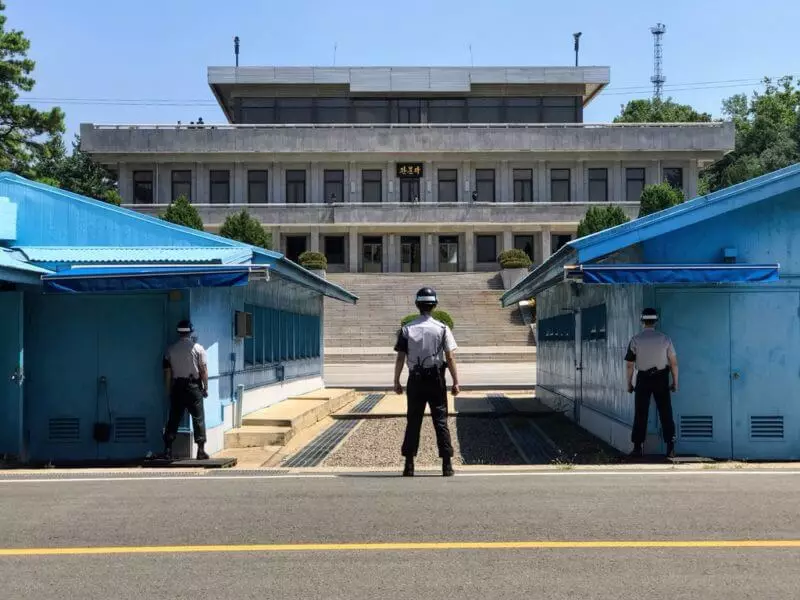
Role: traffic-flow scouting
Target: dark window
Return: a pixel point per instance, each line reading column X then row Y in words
column 524, row 243
column 409, row 111
column 557, row 241
column 634, row 184
column 334, row 249
column 334, row 185
column 523, row 185
column 484, row 184
column 674, row 177
column 448, row 185
column 371, row 111
column 559, row 109
column 485, row 110
column 257, row 187
column 333, row 110
column 371, row 185
column 446, row 111
column 598, row 185
column 295, row 246
column 142, row 187
column 181, row 185
column 295, row 186
column 559, row 185
column 220, row 186
column 486, row 246
column 409, row 190
column 257, row 110
column 295, row 110
column 523, row 110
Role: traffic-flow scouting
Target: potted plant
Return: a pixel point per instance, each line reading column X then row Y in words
column 514, row 264
column 314, row 262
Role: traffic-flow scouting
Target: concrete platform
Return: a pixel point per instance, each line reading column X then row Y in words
column 293, row 413
column 217, row 462
column 258, row 435
column 394, row 405
column 475, row 354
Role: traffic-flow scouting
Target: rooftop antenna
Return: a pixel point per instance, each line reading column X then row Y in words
column 335, row 47
column 658, row 78
column 236, row 49
column 577, row 37
column 471, row 60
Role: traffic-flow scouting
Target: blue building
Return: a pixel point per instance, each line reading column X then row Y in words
column 89, row 297
column 723, row 271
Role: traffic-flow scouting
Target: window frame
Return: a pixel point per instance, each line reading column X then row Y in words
column 522, row 177
column 292, row 184
column 251, row 182
column 371, row 184
column 333, row 182
column 175, row 183
column 136, row 184
column 597, row 175
column 629, row 180
column 217, row 185
column 559, row 182
column 482, row 178
column 339, row 238
column 486, row 237
column 442, row 183
column 665, row 178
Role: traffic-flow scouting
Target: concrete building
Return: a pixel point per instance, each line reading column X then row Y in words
column 405, row 169
column 89, row 298
column 723, row 272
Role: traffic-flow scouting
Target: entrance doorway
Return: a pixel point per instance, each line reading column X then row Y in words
column 11, row 373
column 372, row 254
column 524, row 243
column 295, row 246
column 448, row 253
column 410, row 254
column 409, row 190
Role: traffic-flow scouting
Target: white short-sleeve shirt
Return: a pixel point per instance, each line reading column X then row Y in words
column 184, row 358
column 424, row 342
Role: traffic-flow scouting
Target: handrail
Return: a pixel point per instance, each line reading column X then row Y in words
column 227, row 126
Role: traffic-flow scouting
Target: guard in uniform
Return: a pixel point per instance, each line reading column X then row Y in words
column 427, row 346
column 186, row 374
column 653, row 356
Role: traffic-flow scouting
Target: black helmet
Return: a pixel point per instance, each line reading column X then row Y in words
column 185, row 326
column 426, row 297
column 649, row 315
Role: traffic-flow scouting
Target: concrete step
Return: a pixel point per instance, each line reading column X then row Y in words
column 297, row 414
column 256, row 436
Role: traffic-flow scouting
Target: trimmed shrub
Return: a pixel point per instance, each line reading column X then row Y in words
column 181, row 212
column 600, row 218
column 313, row 260
column 244, row 228
column 515, row 259
column 439, row 315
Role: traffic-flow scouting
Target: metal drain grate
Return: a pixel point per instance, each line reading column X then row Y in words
column 319, row 448
column 501, row 404
column 536, row 448
column 369, row 402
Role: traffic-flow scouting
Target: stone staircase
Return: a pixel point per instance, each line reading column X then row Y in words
column 279, row 423
column 472, row 299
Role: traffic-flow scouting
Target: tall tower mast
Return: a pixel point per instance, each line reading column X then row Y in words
column 658, row 78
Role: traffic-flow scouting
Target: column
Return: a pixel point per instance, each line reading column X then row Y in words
column 125, row 186
column 691, row 180
column 198, row 178
column 352, row 184
column 546, row 243
column 542, row 179
column 616, row 192
column 430, row 253
column 469, row 250
column 276, row 195
column 275, row 233
column 239, row 185
column 578, row 183
column 466, row 182
column 391, row 183
column 508, row 240
column 429, row 184
column 352, row 250
column 314, row 239
column 314, row 184
column 392, row 262
column 506, row 193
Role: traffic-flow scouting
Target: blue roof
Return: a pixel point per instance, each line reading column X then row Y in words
column 603, row 243
column 13, row 260
column 139, row 254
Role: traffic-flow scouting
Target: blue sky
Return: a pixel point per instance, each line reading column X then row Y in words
column 109, row 61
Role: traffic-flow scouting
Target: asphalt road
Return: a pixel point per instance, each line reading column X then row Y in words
column 560, row 507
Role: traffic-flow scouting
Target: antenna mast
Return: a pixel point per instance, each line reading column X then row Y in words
column 658, row 78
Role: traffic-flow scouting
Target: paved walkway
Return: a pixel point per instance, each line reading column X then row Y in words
column 472, row 350
column 394, row 405
column 497, row 375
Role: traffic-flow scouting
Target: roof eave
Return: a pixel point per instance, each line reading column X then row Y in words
column 546, row 275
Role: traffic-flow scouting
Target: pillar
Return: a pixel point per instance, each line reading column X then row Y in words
column 546, row 243
column 125, row 179
column 542, row 179
column 276, row 195
column 428, row 184
column 579, row 183
column 391, row 253
column 616, row 192
column 314, row 239
column 691, row 180
column 506, row 192
column 275, row 233
column 469, row 250
column 315, row 187
column 430, row 252
column 352, row 184
column 352, row 251
column 466, row 181
column 392, row 193
column 239, row 184
column 508, row 240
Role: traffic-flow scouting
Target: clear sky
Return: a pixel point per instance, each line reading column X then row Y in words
column 144, row 61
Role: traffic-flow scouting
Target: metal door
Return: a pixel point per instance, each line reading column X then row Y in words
column 409, row 190
column 764, row 375
column 448, row 254
column 410, row 260
column 698, row 324
column 11, row 373
column 578, row 362
column 372, row 256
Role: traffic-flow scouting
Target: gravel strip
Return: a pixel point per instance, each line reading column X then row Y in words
column 376, row 443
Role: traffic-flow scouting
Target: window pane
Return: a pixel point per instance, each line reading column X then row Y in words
column 524, row 243
column 674, row 177
column 142, row 187
column 523, row 185
column 598, row 185
column 333, row 110
column 446, row 111
column 409, row 111
column 334, row 249
column 371, row 111
column 487, row 248
column 257, row 187
column 634, row 184
column 559, row 109
column 334, row 185
column 484, row 184
column 371, row 185
column 484, row 110
column 181, row 185
column 559, row 185
column 295, row 110
column 257, row 110
column 220, row 187
column 409, row 190
column 557, row 241
column 523, row 110
column 448, row 185
column 295, row 186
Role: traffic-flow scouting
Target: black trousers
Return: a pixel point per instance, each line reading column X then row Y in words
column 422, row 390
column 656, row 385
column 185, row 395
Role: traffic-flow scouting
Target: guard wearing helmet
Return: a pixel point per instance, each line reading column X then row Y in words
column 427, row 346
column 653, row 356
column 186, row 373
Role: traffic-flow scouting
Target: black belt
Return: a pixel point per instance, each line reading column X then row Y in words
column 186, row 380
column 653, row 372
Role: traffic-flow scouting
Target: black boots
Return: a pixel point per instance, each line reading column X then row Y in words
column 637, row 451
column 201, row 452
column 670, row 449
column 447, row 467
column 408, row 471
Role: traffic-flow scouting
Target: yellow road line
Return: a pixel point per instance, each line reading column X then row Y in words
column 399, row 546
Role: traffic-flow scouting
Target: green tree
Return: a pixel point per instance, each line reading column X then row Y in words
column 658, row 197
column 659, row 111
column 23, row 129
column 599, row 218
column 244, row 228
column 181, row 212
column 75, row 172
column 767, row 134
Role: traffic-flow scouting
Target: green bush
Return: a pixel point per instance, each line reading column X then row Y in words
column 313, row 260
column 181, row 212
column 439, row 315
column 515, row 259
column 600, row 218
column 244, row 228
column 658, row 197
